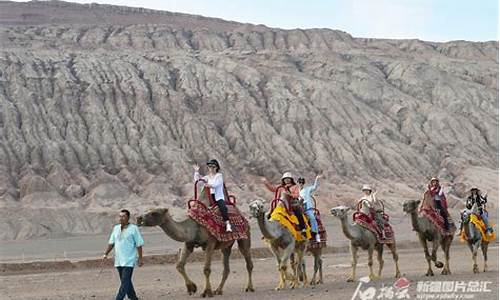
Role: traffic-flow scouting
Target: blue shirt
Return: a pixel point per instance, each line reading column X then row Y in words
column 306, row 194
column 126, row 243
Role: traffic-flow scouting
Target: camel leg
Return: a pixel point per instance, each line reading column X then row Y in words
column 475, row 249
column 315, row 265
column 354, row 254
column 226, row 253
column 277, row 255
column 244, row 246
column 320, row 266
column 209, row 251
column 186, row 251
column 423, row 242
column 301, row 265
column 445, row 245
column 285, row 256
column 370, row 263
column 395, row 256
column 484, row 249
column 380, row 251
column 435, row 246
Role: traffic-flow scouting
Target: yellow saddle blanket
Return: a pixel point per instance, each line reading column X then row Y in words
column 290, row 222
column 488, row 237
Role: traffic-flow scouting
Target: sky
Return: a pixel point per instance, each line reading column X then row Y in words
column 430, row 20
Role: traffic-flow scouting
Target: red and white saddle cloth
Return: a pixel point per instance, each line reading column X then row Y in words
column 322, row 234
column 210, row 217
column 435, row 217
column 368, row 222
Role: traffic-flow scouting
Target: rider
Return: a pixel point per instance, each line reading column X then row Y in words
column 437, row 193
column 480, row 201
column 306, row 197
column 215, row 181
column 371, row 206
column 288, row 194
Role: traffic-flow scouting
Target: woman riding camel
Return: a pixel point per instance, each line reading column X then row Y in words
column 306, row 197
column 373, row 207
column 480, row 201
column 215, row 181
column 435, row 190
column 289, row 194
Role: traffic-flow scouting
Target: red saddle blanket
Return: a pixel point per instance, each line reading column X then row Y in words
column 322, row 234
column 435, row 217
column 211, row 219
column 368, row 222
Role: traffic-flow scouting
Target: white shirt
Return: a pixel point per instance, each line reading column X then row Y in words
column 216, row 182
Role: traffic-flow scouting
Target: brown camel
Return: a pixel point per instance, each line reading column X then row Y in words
column 193, row 235
column 363, row 238
column 427, row 231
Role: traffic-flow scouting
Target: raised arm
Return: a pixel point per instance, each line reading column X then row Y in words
column 268, row 185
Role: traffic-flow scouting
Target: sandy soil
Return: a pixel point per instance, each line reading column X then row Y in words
column 161, row 281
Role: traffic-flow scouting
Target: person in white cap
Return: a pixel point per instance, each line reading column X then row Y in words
column 289, row 193
column 371, row 206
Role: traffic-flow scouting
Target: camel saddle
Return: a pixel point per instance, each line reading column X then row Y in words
column 210, row 217
column 322, row 234
column 479, row 223
column 368, row 222
column 435, row 217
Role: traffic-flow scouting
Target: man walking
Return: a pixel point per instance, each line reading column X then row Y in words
column 127, row 242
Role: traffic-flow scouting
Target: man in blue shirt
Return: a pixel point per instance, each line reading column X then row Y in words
column 306, row 197
column 127, row 242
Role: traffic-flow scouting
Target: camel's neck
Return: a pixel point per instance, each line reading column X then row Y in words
column 348, row 228
column 174, row 229
column 414, row 221
column 267, row 227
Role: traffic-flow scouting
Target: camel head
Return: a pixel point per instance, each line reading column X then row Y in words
column 410, row 206
column 256, row 208
column 153, row 217
column 340, row 211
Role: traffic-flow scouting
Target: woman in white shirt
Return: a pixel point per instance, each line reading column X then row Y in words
column 215, row 182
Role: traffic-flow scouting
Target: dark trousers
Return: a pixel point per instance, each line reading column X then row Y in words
column 222, row 207
column 126, row 287
column 298, row 213
column 443, row 213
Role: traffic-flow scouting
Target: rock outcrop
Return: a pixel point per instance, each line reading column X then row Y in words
column 103, row 107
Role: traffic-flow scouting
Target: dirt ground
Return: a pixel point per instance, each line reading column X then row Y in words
column 162, row 281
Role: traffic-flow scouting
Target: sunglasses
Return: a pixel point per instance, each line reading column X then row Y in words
column 212, row 166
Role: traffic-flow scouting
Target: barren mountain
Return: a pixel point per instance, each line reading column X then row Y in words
column 104, row 107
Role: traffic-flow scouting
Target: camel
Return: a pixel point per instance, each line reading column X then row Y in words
column 474, row 240
column 282, row 245
column 427, row 231
column 193, row 235
column 363, row 238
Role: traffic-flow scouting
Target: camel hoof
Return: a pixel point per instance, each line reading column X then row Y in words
column 218, row 292
column 429, row 273
column 350, row 279
column 373, row 277
column 319, row 282
column 207, row 294
column 398, row 275
column 475, row 269
column 445, row 272
column 191, row 288
column 312, row 283
column 439, row 264
column 249, row 289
